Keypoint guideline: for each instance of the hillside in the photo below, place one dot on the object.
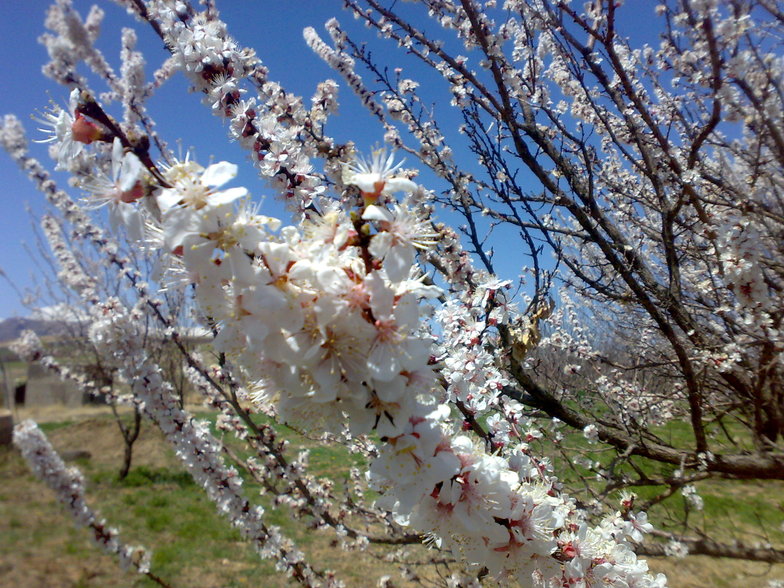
(11, 328)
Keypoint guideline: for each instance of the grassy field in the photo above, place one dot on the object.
(744, 510)
(159, 506)
(747, 511)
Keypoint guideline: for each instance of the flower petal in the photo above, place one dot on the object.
(399, 185)
(219, 173)
(377, 213)
(226, 196)
(130, 171)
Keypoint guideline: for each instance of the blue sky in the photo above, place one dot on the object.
(272, 27)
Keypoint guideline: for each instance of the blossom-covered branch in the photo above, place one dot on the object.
(68, 485)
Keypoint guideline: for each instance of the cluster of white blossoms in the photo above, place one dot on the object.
(472, 369)
(325, 324)
(323, 317)
(324, 321)
(273, 124)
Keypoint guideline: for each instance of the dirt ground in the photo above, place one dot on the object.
(91, 431)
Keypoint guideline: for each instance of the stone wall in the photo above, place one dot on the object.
(44, 388)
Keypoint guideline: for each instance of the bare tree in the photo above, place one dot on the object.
(71, 279)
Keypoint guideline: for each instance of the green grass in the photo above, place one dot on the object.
(161, 507)
(164, 508)
(49, 427)
(746, 510)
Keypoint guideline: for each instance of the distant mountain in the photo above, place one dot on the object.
(11, 328)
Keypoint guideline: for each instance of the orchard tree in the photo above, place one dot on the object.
(72, 278)
(644, 185)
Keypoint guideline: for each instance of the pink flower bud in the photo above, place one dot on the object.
(133, 194)
(85, 131)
